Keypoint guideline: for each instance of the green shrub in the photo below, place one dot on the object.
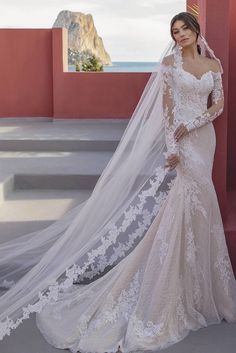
(91, 64)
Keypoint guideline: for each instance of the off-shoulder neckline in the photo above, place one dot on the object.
(173, 67)
(205, 73)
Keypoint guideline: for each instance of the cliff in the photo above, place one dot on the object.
(83, 39)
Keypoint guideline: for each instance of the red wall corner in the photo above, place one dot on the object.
(26, 72)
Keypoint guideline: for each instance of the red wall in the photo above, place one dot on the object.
(33, 83)
(232, 101)
(92, 95)
(26, 72)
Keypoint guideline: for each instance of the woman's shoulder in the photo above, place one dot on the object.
(212, 64)
(167, 65)
(168, 60)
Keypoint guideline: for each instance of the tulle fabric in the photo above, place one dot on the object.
(94, 236)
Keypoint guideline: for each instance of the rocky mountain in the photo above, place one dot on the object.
(83, 39)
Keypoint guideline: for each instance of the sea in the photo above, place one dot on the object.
(127, 66)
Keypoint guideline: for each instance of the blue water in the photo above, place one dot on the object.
(131, 66)
(127, 66)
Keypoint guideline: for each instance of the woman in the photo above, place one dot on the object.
(155, 265)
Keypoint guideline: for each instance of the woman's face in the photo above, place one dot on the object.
(183, 35)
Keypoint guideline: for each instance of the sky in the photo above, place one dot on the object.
(132, 30)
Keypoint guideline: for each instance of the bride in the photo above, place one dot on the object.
(144, 260)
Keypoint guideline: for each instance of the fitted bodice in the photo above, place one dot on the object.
(191, 94)
(185, 98)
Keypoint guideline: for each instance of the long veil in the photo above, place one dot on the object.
(96, 235)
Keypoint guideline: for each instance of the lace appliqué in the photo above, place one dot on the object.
(74, 272)
(188, 155)
(217, 95)
(148, 329)
(191, 248)
(178, 57)
(113, 230)
(215, 110)
(169, 110)
(180, 308)
(222, 264)
(163, 234)
(192, 202)
(191, 258)
(113, 309)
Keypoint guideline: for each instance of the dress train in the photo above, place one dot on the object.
(178, 278)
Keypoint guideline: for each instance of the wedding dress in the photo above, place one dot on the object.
(170, 271)
(179, 277)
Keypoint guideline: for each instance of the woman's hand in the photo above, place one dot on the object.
(180, 132)
(172, 161)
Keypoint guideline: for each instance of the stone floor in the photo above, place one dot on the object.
(49, 166)
(219, 338)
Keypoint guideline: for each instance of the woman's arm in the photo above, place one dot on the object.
(168, 108)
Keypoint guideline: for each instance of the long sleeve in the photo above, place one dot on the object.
(169, 110)
(215, 110)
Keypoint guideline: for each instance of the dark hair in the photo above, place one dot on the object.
(191, 21)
